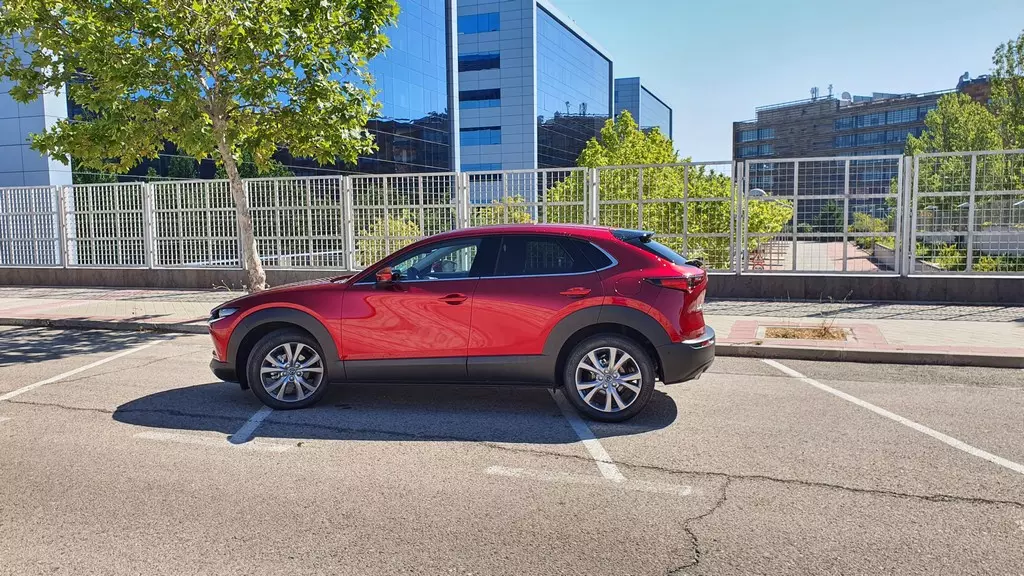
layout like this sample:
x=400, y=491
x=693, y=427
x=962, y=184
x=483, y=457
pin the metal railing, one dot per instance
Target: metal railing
x=884, y=215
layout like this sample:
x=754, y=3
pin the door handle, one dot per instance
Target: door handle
x=454, y=299
x=577, y=292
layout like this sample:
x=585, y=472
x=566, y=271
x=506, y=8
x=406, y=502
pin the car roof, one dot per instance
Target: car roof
x=580, y=230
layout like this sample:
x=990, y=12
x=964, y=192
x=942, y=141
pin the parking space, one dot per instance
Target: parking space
x=144, y=463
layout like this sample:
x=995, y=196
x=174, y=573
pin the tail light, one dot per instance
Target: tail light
x=685, y=283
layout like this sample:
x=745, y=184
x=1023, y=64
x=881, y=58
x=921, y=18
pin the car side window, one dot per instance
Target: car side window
x=538, y=256
x=441, y=261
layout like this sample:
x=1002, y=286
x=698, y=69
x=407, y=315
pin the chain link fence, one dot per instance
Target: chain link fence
x=960, y=213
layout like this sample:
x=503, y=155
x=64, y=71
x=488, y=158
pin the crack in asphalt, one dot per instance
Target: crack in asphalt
x=727, y=476
x=688, y=528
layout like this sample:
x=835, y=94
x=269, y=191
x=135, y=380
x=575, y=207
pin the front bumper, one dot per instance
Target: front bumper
x=223, y=370
x=688, y=359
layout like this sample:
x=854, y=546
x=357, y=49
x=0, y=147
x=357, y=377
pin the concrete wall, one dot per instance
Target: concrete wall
x=953, y=289
x=197, y=279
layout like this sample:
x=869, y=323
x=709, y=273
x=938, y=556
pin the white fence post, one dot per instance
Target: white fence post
x=970, y=213
x=592, y=195
x=904, y=241
x=62, y=216
x=736, y=220
x=348, y=222
x=148, y=224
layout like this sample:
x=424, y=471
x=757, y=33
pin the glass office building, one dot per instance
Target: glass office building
x=466, y=84
x=415, y=130
x=574, y=92
x=647, y=110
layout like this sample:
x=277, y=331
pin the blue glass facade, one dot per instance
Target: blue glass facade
x=654, y=113
x=647, y=110
x=415, y=131
x=574, y=92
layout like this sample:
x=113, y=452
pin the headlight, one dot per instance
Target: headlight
x=222, y=313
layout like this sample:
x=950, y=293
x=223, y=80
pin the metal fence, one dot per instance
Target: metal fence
x=930, y=214
x=967, y=213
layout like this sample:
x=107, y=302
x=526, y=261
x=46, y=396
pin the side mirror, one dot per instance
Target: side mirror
x=385, y=277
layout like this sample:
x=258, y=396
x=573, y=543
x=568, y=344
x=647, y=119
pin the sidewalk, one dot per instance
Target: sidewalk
x=877, y=332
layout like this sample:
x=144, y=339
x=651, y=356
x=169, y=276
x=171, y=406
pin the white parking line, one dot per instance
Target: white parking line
x=566, y=478
x=61, y=376
x=214, y=442
x=604, y=462
x=245, y=433
x=949, y=440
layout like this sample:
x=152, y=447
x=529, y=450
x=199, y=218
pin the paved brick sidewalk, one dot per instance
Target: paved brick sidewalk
x=877, y=331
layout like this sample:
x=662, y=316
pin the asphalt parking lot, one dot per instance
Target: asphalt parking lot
x=121, y=454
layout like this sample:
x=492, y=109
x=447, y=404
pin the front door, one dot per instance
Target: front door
x=417, y=326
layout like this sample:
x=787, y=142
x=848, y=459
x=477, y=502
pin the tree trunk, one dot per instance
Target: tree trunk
x=250, y=253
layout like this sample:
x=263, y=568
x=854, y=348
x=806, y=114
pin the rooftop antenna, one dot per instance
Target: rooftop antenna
x=829, y=90
x=568, y=107
x=814, y=93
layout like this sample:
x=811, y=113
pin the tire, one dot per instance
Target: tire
x=300, y=388
x=615, y=391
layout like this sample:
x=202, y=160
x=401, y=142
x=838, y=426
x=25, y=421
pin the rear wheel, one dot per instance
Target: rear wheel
x=608, y=378
x=286, y=369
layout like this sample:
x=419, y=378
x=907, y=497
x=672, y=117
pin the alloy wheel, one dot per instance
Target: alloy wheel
x=608, y=379
x=291, y=372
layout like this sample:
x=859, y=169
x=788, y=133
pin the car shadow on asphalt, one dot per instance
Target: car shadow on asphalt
x=505, y=414
x=36, y=344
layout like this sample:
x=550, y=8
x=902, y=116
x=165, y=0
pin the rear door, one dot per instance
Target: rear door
x=538, y=280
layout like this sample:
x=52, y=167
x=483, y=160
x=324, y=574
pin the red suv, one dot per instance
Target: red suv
x=600, y=312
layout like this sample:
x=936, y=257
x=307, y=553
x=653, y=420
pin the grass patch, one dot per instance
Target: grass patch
x=817, y=333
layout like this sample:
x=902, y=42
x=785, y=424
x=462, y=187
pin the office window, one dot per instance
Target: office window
x=846, y=141
x=870, y=138
x=480, y=61
x=922, y=111
x=481, y=136
x=756, y=150
x=766, y=133
x=469, y=99
x=845, y=123
x=484, y=167
x=901, y=116
x=475, y=23
x=874, y=119
x=748, y=135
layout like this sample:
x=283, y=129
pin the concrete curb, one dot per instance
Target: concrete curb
x=174, y=328
x=913, y=357
x=721, y=349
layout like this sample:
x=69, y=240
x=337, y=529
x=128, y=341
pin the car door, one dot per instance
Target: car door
x=416, y=327
x=538, y=281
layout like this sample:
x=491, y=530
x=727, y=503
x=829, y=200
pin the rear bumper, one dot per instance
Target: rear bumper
x=688, y=359
x=223, y=370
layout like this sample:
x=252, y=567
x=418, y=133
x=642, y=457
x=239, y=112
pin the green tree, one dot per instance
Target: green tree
x=83, y=175
x=386, y=235
x=152, y=174
x=1008, y=90
x=182, y=168
x=508, y=211
x=214, y=77
x=622, y=143
x=248, y=168
x=959, y=124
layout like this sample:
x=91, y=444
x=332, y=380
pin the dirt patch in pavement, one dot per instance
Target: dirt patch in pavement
x=816, y=333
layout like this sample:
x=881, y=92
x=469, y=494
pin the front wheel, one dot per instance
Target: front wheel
x=608, y=378
x=286, y=370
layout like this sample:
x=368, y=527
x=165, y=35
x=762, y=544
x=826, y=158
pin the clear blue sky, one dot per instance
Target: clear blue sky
x=714, y=61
